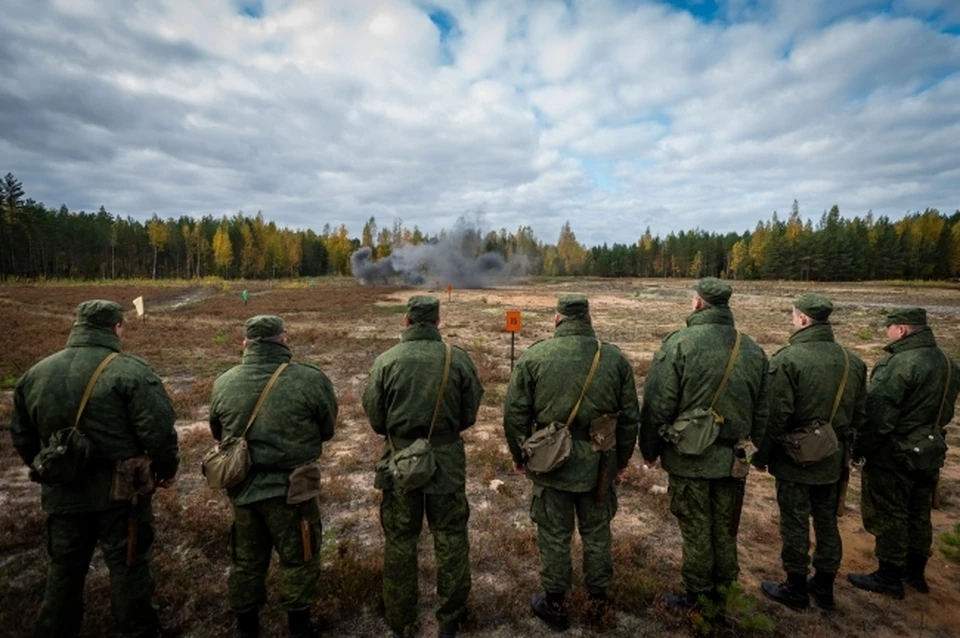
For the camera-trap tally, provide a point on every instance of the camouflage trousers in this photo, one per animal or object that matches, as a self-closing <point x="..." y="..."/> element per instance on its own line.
<point x="896" y="509"/>
<point x="798" y="503"/>
<point x="704" y="509"/>
<point x="259" y="528"/>
<point x="401" y="515"/>
<point x="71" y="539"/>
<point x="554" y="512"/>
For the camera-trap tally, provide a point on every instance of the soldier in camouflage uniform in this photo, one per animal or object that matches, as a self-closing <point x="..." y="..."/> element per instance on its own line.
<point x="909" y="403"/>
<point x="128" y="414"/>
<point x="544" y="388"/>
<point x="805" y="378"/>
<point x="295" y="419"/>
<point x="685" y="374"/>
<point x="400" y="398"/>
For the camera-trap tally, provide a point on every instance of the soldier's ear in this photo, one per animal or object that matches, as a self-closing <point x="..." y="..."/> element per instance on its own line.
<point x="406" y="321"/>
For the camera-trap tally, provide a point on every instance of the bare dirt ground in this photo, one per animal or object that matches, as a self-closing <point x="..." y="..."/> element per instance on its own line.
<point x="192" y="333"/>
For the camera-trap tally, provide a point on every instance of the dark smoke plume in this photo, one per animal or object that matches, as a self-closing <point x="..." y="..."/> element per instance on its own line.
<point x="451" y="260"/>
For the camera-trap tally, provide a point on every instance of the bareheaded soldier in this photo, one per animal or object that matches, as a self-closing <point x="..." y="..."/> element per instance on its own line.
<point x="576" y="380"/>
<point x="910" y="400"/>
<point x="296" y="415"/>
<point x="706" y="368"/>
<point x="125" y="413"/>
<point x="424" y="389"/>
<point x="815" y="385"/>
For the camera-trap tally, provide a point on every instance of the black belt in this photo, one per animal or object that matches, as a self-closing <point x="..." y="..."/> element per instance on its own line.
<point x="435" y="440"/>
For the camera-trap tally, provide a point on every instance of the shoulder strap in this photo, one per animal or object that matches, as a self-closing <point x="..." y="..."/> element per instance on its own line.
<point x="89" y="389"/>
<point x="443" y="389"/>
<point x="843" y="385"/>
<point x="263" y="397"/>
<point x="726" y="373"/>
<point x="586" y="384"/>
<point x="946" y="388"/>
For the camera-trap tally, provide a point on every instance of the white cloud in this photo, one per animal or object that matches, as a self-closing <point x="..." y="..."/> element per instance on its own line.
<point x="613" y="115"/>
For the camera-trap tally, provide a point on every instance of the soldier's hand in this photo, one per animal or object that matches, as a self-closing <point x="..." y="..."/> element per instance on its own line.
<point x="519" y="467"/>
<point x="619" y="478"/>
<point x="167" y="482"/>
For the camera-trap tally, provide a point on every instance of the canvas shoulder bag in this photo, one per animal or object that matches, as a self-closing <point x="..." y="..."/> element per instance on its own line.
<point x="549" y="447"/>
<point x="924" y="448"/>
<point x="816" y="440"/>
<point x="64" y="457"/>
<point x="412" y="467"/>
<point x="227" y="464"/>
<point x="695" y="430"/>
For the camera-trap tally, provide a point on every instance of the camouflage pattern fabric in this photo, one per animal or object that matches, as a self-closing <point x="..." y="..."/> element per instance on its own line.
<point x="257" y="529"/>
<point x="685" y="374"/>
<point x="904" y="395"/>
<point x="896" y="509"/>
<point x="128" y="414"/>
<point x="804" y="379"/>
<point x="545" y="386"/>
<point x="401" y="394"/>
<point x="553" y="511"/>
<point x="294" y="421"/>
<point x="401" y="515"/>
<point x="798" y="503"/>
<point x="704" y="509"/>
<point x="71" y="540"/>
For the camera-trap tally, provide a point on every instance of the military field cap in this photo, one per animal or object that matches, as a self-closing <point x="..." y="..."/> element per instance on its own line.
<point x="99" y="313"/>
<point x="263" y="326"/>
<point x="423" y="309"/>
<point x="910" y="316"/>
<point x="815" y="306"/>
<point x="573" y="306"/>
<point x="714" y="291"/>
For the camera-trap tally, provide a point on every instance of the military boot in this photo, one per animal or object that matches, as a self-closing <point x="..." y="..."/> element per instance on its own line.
<point x="681" y="602"/>
<point x="820" y="587"/>
<point x="550" y="609"/>
<point x="886" y="580"/>
<point x="447" y="633"/>
<point x="913" y="575"/>
<point x="597" y="607"/>
<point x="248" y="624"/>
<point x="792" y="593"/>
<point x="300" y="625"/>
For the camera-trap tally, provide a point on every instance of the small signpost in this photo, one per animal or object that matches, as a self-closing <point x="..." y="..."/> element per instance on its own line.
<point x="449" y="292"/>
<point x="513" y="327"/>
<point x="138" y="304"/>
<point x="245" y="296"/>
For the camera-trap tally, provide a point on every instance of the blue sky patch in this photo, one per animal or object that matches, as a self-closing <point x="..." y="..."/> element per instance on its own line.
<point x="703" y="10"/>
<point x="250" y="8"/>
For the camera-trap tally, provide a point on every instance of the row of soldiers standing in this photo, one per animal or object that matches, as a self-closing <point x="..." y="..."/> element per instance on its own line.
<point x="420" y="389"/>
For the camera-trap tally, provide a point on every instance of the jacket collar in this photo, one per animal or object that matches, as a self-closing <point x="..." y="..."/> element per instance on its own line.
<point x="421" y="332"/>
<point x="815" y="332"/>
<point x="922" y="339"/>
<point x="711" y="314"/>
<point x="85" y="336"/>
<point x="266" y="352"/>
<point x="574" y="328"/>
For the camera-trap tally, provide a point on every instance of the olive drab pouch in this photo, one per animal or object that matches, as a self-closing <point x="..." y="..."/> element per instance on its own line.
<point x="227" y="464"/>
<point x="132" y="477"/>
<point x="693" y="432"/>
<point x="811" y="443"/>
<point x="549" y="447"/>
<point x="64" y="457"/>
<point x="743" y="453"/>
<point x="925" y="447"/>
<point x="603" y="432"/>
<point x="304" y="484"/>
<point x="816" y="440"/>
<point x="412" y="467"/>
<point x="696" y="429"/>
<point x="62" y="460"/>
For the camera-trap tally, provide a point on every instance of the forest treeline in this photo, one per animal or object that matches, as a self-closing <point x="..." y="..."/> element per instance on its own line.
<point x="37" y="242"/>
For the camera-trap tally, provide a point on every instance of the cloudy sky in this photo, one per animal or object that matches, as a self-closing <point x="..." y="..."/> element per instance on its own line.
<point x="613" y="114"/>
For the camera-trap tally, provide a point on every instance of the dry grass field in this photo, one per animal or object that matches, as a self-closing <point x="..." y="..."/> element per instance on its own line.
<point x="192" y="333"/>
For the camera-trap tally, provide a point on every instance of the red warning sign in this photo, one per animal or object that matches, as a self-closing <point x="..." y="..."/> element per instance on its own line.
<point x="513" y="321"/>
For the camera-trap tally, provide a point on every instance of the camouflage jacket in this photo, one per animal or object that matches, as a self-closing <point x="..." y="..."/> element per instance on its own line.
<point x="128" y="414"/>
<point x="545" y="386"/>
<point x="905" y="392"/>
<point x="401" y="394"/>
<point x="804" y="379"/>
<point x="685" y="374"/>
<point x="297" y="417"/>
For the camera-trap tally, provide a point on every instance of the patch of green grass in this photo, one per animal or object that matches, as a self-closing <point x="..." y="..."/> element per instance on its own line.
<point x="220" y="338"/>
<point x="866" y="334"/>
<point x="950" y="544"/>
<point x="9" y="381"/>
<point x="736" y="611"/>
